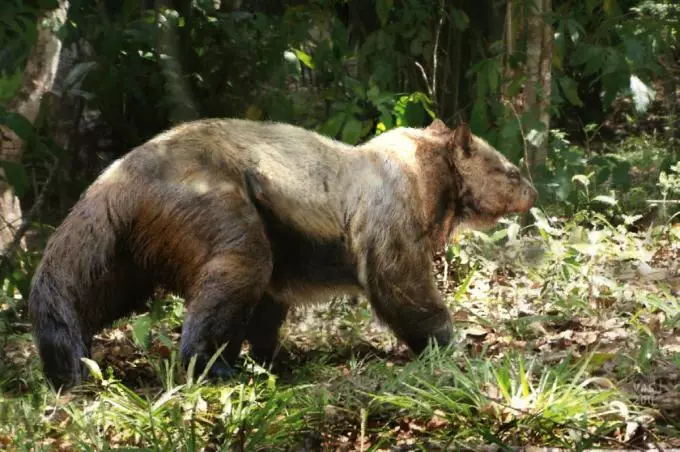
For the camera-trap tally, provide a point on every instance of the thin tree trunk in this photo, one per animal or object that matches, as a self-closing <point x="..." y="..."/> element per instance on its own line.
<point x="510" y="35"/>
<point x="538" y="86"/>
<point x="541" y="152"/>
<point x="38" y="79"/>
<point x="534" y="41"/>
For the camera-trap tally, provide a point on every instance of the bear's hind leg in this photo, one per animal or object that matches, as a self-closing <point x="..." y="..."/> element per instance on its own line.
<point x="263" y="329"/>
<point x="221" y="308"/>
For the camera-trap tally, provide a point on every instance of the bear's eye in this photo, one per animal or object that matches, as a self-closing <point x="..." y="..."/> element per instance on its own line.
<point x="514" y="174"/>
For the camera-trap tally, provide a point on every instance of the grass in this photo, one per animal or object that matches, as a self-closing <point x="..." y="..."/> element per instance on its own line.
<point x="566" y="336"/>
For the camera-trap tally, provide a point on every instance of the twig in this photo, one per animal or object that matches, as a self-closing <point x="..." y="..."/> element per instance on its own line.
<point x="432" y="87"/>
<point x="663" y="201"/>
<point x="427" y="81"/>
<point x="28" y="218"/>
<point x="435" y="51"/>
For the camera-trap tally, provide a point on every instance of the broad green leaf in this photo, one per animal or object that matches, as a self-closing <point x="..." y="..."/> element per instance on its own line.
<point x="564" y="184"/>
<point x="460" y="19"/>
<point x="333" y="125"/>
<point x="140" y="330"/>
<point x="515" y="85"/>
<point x="386" y="118"/>
<point x="635" y="49"/>
<point x="621" y="175"/>
<point x="416" y="47"/>
<point x="254" y="112"/>
<point x="414" y="114"/>
<point x="382" y="9"/>
<point x="352" y="131"/>
<point x="15" y="175"/>
<point x="570" y="90"/>
<point x="19" y="125"/>
<point x="576" y="31"/>
<point x="602" y="175"/>
<point x="478" y="118"/>
<point x="499" y="235"/>
<point x="165" y="340"/>
<point x="609" y="6"/>
<point x="493" y="71"/>
<point x="592" y="4"/>
<point x="366" y="127"/>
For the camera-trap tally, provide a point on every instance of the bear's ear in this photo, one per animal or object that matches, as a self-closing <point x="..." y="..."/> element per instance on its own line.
<point x="437" y="126"/>
<point x="462" y="137"/>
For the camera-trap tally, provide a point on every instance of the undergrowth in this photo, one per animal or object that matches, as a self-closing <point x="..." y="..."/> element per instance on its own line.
<point x="566" y="335"/>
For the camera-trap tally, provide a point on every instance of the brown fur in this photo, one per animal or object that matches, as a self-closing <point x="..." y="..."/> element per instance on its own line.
<point x="245" y="219"/>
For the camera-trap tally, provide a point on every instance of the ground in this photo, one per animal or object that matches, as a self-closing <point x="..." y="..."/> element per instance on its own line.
<point x="567" y="336"/>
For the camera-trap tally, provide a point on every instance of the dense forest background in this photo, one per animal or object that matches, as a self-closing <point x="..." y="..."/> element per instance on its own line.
<point x="583" y="95"/>
<point x="513" y="69"/>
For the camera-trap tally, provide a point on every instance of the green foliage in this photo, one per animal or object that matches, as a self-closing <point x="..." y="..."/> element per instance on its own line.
<point x="165" y="63"/>
<point x="669" y="183"/>
<point x="9" y="85"/>
<point x="18" y="33"/>
<point x="165" y="314"/>
<point x="613" y="48"/>
<point x="609" y="182"/>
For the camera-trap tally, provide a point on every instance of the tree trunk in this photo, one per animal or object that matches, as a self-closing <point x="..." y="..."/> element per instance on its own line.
<point x="541" y="153"/>
<point x="37" y="80"/>
<point x="539" y="78"/>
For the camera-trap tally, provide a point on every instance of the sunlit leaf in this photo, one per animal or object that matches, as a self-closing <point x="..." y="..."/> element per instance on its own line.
<point x="609" y="200"/>
<point x="642" y="94"/>
<point x="589" y="249"/>
<point x="253" y="112"/>
<point x="304" y="58"/>
<point x="581" y="179"/>
<point x="95" y="371"/>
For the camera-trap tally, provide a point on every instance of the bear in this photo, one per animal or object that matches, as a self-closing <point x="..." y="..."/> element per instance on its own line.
<point x="244" y="219"/>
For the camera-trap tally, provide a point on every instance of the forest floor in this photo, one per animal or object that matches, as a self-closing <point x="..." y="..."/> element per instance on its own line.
<point x="567" y="336"/>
